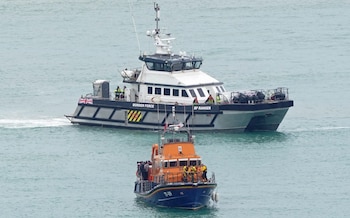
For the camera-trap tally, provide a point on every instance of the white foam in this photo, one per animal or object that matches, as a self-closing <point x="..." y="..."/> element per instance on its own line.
<point x="325" y="128"/>
<point x="33" y="123"/>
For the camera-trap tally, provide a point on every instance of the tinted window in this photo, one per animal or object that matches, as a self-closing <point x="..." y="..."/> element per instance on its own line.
<point x="184" y="93"/>
<point x="192" y="93"/>
<point x="188" y="66"/>
<point x="173" y="164"/>
<point x="222" y="88"/>
<point x="166" y="91"/>
<point x="200" y="91"/>
<point x="167" y="67"/>
<point x="157" y="91"/>
<point x="177" y="66"/>
<point x="149" y="90"/>
<point x="175" y="92"/>
<point x="183" y="163"/>
<point x="217" y="88"/>
<point x="193" y="162"/>
<point x="150" y="65"/>
<point x="197" y="64"/>
<point x="159" y="66"/>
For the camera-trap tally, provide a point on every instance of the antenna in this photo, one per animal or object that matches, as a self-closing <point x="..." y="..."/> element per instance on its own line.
<point x="157" y="9"/>
<point x="133" y="21"/>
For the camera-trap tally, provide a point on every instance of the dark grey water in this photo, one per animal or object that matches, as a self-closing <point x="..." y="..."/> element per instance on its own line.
<point x="51" y="51"/>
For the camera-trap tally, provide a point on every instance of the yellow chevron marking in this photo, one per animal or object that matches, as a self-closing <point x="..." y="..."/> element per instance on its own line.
<point x="134" y="116"/>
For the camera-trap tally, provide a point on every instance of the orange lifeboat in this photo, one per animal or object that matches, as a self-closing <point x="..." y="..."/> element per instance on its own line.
<point x="175" y="176"/>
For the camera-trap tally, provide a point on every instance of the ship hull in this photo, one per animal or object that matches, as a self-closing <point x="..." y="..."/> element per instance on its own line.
<point x="234" y="117"/>
<point x="191" y="196"/>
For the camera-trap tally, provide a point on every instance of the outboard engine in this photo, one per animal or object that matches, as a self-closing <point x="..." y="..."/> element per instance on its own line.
<point x="101" y="89"/>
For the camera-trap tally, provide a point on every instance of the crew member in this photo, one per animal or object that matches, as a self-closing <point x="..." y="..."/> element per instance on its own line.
<point x="185" y="173"/>
<point x="210" y="100"/>
<point x="218" y="98"/>
<point x="122" y="95"/>
<point x="195" y="101"/>
<point x="193" y="170"/>
<point x="117" y="93"/>
<point x="204" y="173"/>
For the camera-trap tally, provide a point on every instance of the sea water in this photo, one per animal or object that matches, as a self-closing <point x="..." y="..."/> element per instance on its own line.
<point x="51" y="51"/>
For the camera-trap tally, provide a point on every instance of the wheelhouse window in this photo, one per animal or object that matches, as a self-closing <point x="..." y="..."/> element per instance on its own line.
<point x="184" y="93"/>
<point x="222" y="88"/>
<point x="150" y="90"/>
<point x="197" y="64"/>
<point x="193" y="162"/>
<point x="176" y="63"/>
<point x="200" y="91"/>
<point x="177" y="66"/>
<point x="188" y="66"/>
<point x="150" y="65"/>
<point x="217" y="88"/>
<point x="193" y="94"/>
<point x="158" y="91"/>
<point x="183" y="163"/>
<point x="175" y="92"/>
<point x="166" y="91"/>
<point x="173" y="163"/>
<point x="167" y="67"/>
<point x="159" y="66"/>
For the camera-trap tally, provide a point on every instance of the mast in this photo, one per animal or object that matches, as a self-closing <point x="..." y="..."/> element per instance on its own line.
<point x="157" y="9"/>
<point x="162" y="42"/>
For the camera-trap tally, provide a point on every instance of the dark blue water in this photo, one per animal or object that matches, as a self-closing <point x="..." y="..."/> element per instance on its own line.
<point x="51" y="51"/>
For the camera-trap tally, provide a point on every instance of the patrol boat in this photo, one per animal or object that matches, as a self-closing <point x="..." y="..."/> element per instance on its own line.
<point x="166" y="79"/>
<point x="175" y="176"/>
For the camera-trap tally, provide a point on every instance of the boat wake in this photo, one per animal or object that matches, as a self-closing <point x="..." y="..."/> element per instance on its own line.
<point x="32" y="123"/>
<point x="325" y="128"/>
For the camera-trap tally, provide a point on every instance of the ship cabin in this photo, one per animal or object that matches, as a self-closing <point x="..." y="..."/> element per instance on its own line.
<point x="171" y="159"/>
<point x="170" y="63"/>
<point x="172" y="79"/>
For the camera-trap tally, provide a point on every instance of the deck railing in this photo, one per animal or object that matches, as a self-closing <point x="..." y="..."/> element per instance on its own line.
<point x="172" y="178"/>
<point x="196" y="177"/>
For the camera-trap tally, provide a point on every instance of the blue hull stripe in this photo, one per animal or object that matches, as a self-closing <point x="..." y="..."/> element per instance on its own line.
<point x="156" y="190"/>
<point x="179" y="196"/>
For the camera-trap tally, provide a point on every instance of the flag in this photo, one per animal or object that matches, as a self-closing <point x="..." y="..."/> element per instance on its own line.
<point x="82" y="101"/>
<point x="88" y="101"/>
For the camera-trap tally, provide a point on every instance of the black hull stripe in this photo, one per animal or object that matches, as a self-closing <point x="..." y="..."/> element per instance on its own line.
<point x="138" y="124"/>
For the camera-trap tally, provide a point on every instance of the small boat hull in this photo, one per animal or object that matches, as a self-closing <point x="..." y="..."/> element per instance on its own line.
<point x="190" y="196"/>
